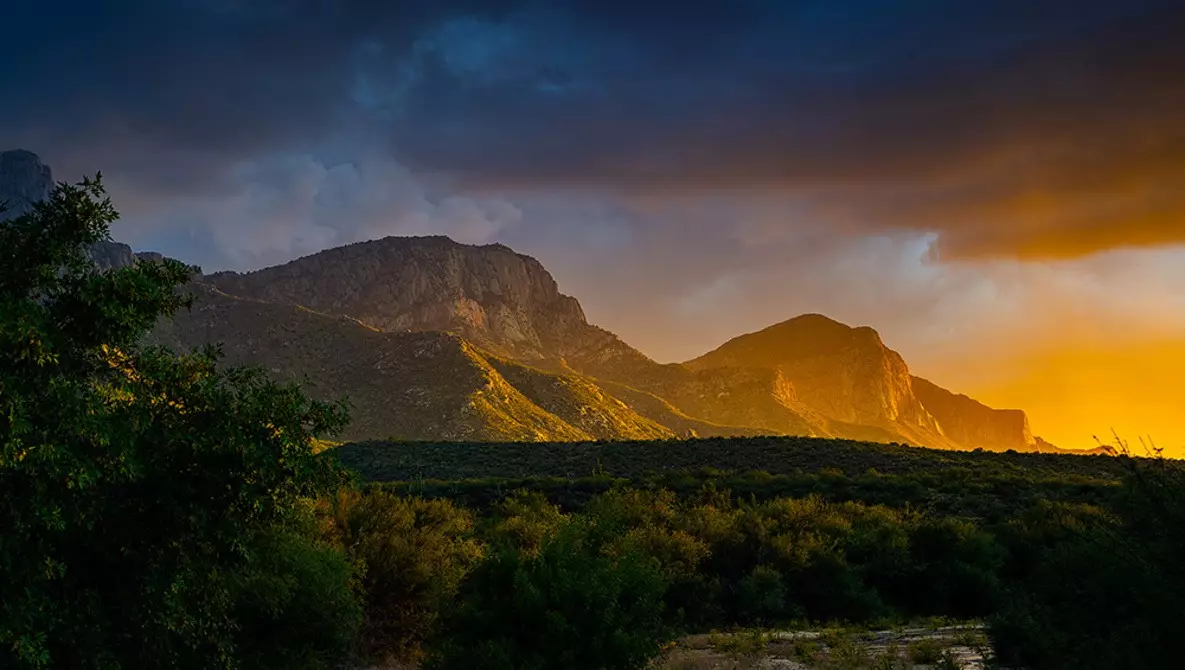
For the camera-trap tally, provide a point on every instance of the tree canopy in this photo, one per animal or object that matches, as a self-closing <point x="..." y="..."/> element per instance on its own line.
<point x="144" y="491"/>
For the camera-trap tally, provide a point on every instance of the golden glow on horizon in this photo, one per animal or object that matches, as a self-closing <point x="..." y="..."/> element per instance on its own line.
<point x="1080" y="392"/>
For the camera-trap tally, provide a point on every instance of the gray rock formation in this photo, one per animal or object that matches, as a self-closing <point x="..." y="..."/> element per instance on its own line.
<point x="149" y="257"/>
<point x="111" y="255"/>
<point x="24" y="180"/>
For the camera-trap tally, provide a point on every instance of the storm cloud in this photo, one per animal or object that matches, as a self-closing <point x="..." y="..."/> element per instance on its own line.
<point x="1036" y="129"/>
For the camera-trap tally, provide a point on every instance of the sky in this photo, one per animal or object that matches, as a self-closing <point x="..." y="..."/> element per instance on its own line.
<point x="997" y="187"/>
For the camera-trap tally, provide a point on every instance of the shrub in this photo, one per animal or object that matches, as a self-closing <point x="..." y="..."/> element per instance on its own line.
<point x="568" y="606"/>
<point x="293" y="613"/>
<point x="412" y="554"/>
<point x="1108" y="590"/>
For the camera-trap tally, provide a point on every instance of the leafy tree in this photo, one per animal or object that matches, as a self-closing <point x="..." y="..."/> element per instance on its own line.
<point x="525" y="520"/>
<point x="144" y="492"/>
<point x="568" y="606"/>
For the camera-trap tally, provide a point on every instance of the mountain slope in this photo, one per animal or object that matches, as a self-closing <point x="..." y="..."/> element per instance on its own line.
<point x="414" y="386"/>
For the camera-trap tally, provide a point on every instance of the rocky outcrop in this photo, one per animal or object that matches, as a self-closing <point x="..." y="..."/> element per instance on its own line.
<point x="971" y="422"/>
<point x="24" y="180"/>
<point x="111" y="255"/>
<point x="490" y="295"/>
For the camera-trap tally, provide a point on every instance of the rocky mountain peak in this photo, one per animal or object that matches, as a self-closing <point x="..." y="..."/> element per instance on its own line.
<point x="501" y="300"/>
<point x="843" y="373"/>
<point x="25" y="180"/>
<point x="801" y="337"/>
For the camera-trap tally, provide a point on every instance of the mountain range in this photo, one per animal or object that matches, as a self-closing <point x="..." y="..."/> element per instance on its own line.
<point x="431" y="339"/>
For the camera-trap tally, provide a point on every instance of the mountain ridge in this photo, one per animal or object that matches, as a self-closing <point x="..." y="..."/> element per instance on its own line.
<point x="519" y="359"/>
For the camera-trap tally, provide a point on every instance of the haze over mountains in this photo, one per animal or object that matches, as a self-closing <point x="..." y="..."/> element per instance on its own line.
<point x="435" y="340"/>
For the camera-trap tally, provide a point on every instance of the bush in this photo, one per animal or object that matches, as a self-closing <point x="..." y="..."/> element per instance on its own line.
<point x="293" y="612"/>
<point x="568" y="606"/>
<point x="1101" y="590"/>
<point x="412" y="555"/>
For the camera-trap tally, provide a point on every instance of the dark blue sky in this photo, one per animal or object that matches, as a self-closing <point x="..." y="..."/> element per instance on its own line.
<point x="965" y="109"/>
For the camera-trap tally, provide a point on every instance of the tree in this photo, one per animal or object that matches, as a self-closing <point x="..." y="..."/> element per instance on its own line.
<point x="1101" y="588"/>
<point x="570" y="605"/>
<point x="413" y="554"/>
<point x="143" y="491"/>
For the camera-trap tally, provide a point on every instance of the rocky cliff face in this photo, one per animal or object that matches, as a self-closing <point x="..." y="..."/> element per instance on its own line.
<point x="111" y="255"/>
<point x="489" y="294"/>
<point x="971" y="422"/>
<point x="24" y="180"/>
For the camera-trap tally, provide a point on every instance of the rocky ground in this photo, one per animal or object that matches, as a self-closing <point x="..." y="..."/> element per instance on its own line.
<point x="909" y="648"/>
<point x="921" y="647"/>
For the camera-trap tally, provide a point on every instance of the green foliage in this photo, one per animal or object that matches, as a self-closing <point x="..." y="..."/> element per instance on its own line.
<point x="986" y="486"/>
<point x="144" y="492"/>
<point x="294" y="613"/>
<point x="728" y="562"/>
<point x="452" y="461"/>
<point x="525" y="520"/>
<point x="762" y="594"/>
<point x="412" y="555"/>
<point x="1099" y="590"/>
<point x="570" y="605"/>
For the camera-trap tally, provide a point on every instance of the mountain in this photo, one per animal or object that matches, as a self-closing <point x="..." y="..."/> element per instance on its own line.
<point x="429" y="385"/>
<point x="807" y="376"/>
<point x="968" y="421"/>
<point x="437" y="340"/>
<point x="844" y="376"/>
<point x="488" y="294"/>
